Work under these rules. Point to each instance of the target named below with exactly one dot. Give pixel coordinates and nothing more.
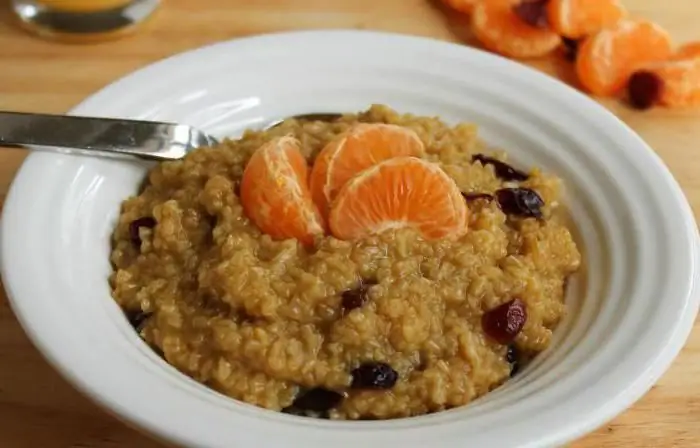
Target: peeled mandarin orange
(403, 192)
(500, 29)
(608, 58)
(578, 18)
(680, 77)
(275, 195)
(461, 5)
(356, 150)
(689, 50)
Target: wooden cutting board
(38, 409)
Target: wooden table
(38, 409)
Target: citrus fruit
(497, 26)
(578, 18)
(275, 195)
(461, 5)
(689, 50)
(679, 78)
(356, 150)
(607, 59)
(403, 192)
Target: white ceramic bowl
(631, 312)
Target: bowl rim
(92, 105)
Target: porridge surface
(263, 321)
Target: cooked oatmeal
(388, 326)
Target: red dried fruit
(135, 226)
(513, 358)
(476, 196)
(532, 12)
(374, 375)
(357, 297)
(523, 202)
(504, 322)
(570, 48)
(137, 319)
(315, 400)
(502, 169)
(644, 89)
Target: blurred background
(82, 20)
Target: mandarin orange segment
(608, 58)
(680, 76)
(496, 25)
(461, 5)
(403, 192)
(356, 150)
(689, 50)
(578, 18)
(275, 195)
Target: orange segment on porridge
(274, 192)
(399, 193)
(578, 18)
(497, 26)
(356, 150)
(607, 59)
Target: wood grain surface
(38, 409)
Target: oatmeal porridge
(377, 266)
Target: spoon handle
(85, 135)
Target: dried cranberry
(212, 220)
(476, 196)
(293, 410)
(570, 48)
(532, 12)
(504, 322)
(137, 319)
(357, 297)
(315, 400)
(523, 202)
(502, 169)
(513, 358)
(134, 227)
(644, 89)
(374, 375)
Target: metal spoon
(108, 136)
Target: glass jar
(83, 20)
